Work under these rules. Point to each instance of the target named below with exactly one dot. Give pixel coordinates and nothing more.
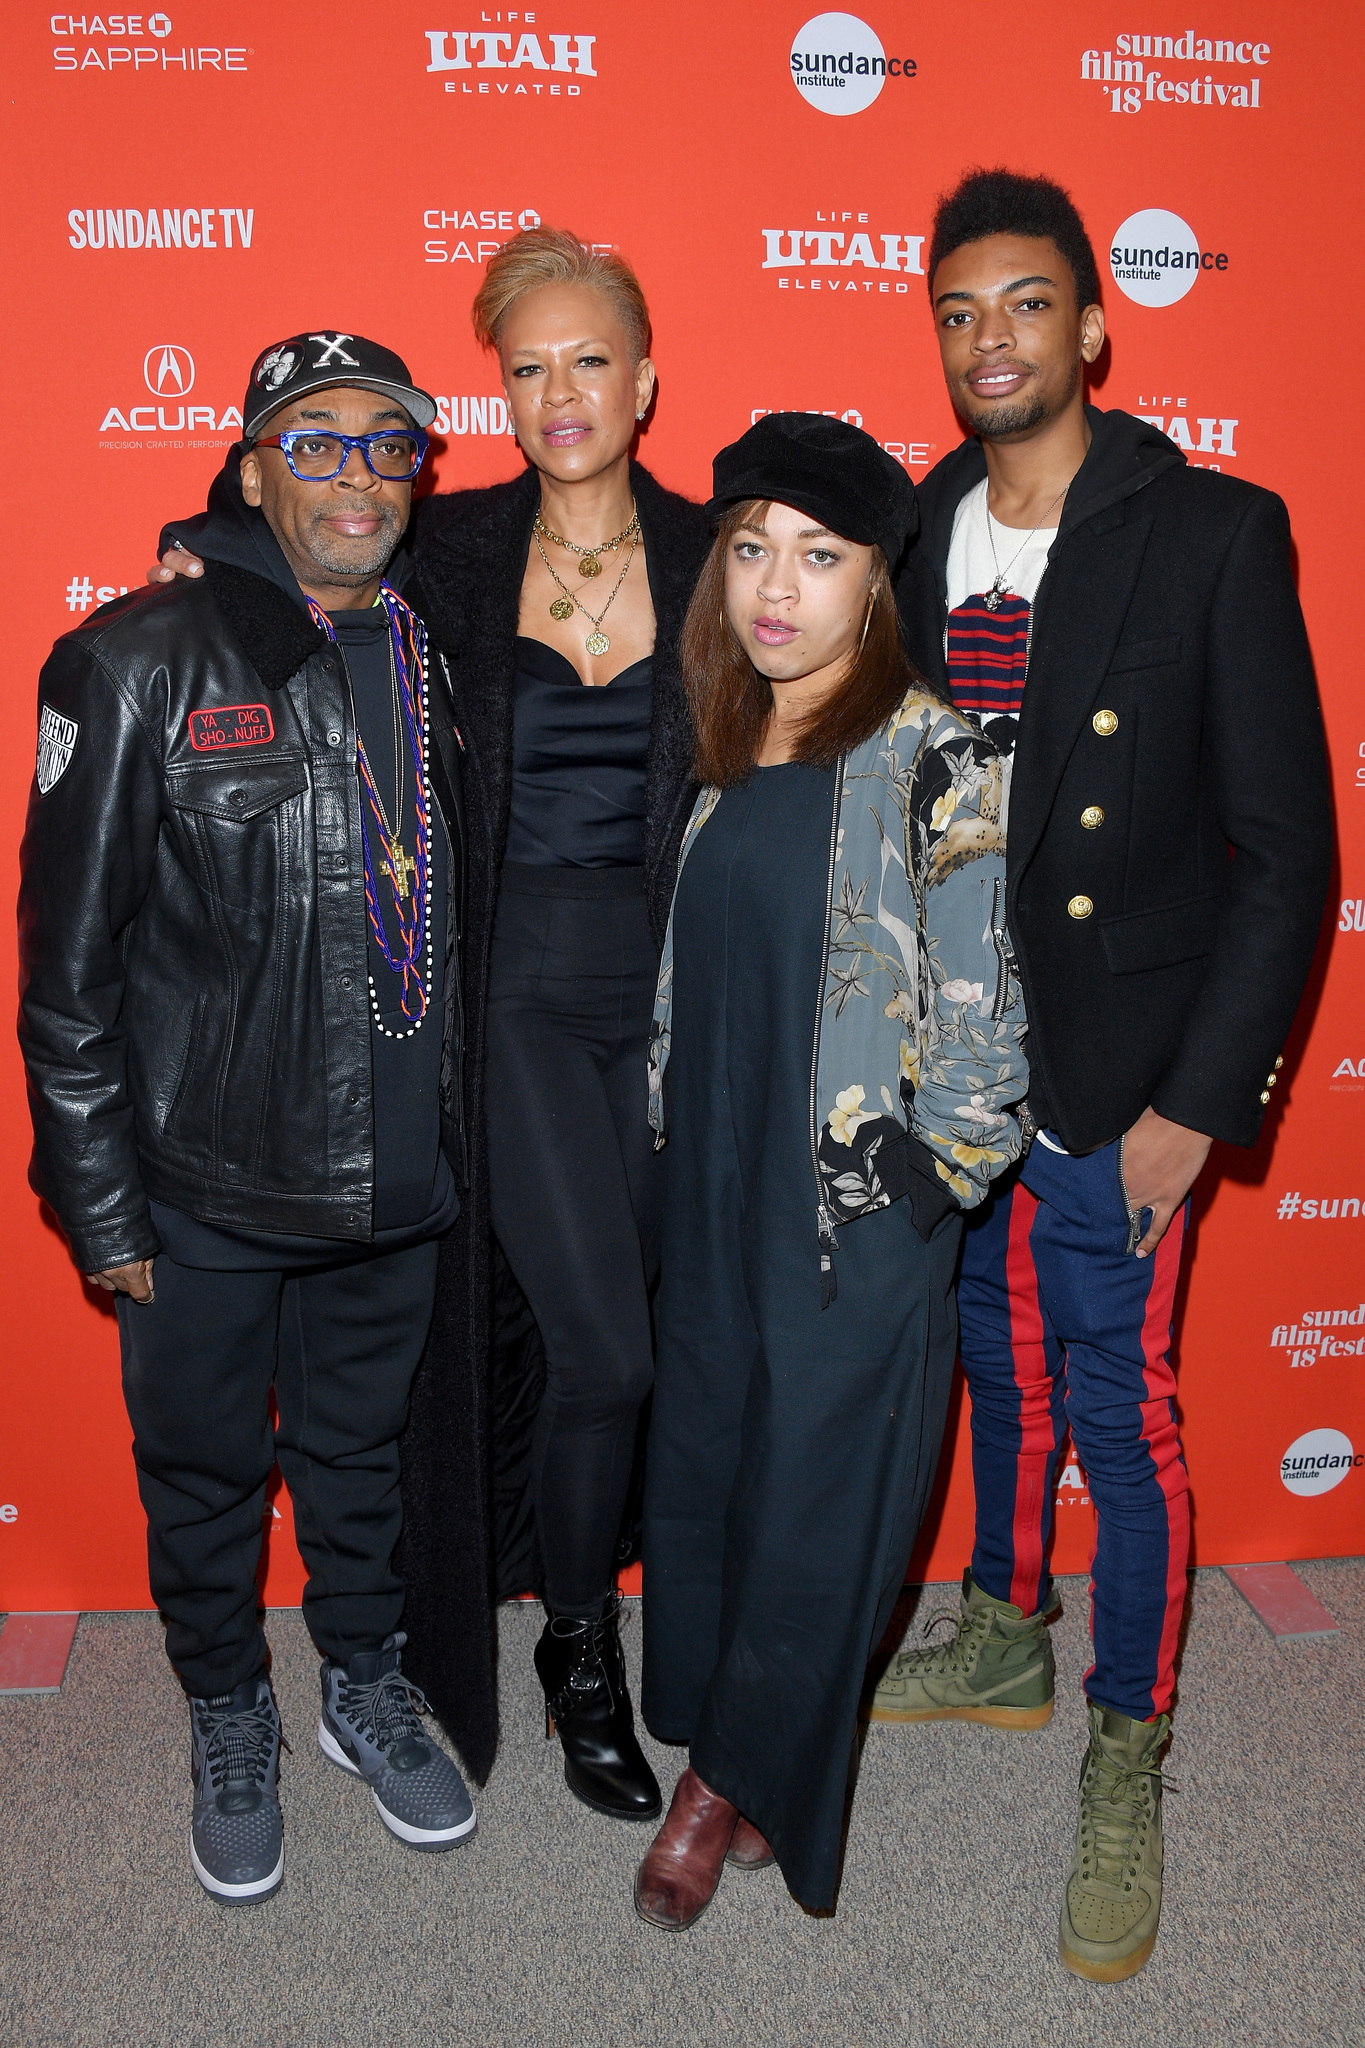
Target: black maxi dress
(792, 1450)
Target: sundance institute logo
(1318, 1461)
(839, 65)
(1155, 257)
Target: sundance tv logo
(1319, 1460)
(166, 227)
(1155, 258)
(838, 64)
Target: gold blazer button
(1265, 1095)
(1105, 722)
(1092, 816)
(1079, 906)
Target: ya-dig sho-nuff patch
(56, 744)
(239, 725)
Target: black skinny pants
(577, 1190)
(340, 1347)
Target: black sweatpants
(340, 1346)
(577, 1189)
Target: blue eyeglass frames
(315, 458)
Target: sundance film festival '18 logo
(1314, 1335)
(1130, 79)
(517, 50)
(1155, 257)
(838, 64)
(146, 45)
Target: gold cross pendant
(400, 871)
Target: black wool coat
(1162, 951)
(470, 549)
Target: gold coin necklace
(564, 607)
(589, 564)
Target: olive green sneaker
(997, 1669)
(1113, 1894)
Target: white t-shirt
(971, 564)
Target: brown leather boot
(677, 1880)
(748, 1849)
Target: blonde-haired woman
(565, 592)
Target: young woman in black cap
(838, 1028)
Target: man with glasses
(241, 881)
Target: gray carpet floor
(946, 1928)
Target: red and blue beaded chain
(408, 641)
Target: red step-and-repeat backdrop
(185, 186)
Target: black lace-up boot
(236, 1833)
(580, 1665)
(369, 1727)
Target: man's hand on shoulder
(175, 562)
(134, 1279)
(1161, 1162)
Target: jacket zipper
(829, 1285)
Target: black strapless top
(578, 763)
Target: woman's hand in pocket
(1161, 1162)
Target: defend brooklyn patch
(56, 744)
(240, 725)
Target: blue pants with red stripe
(1062, 1324)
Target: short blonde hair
(541, 256)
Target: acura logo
(168, 368)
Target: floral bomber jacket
(918, 1027)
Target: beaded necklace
(408, 651)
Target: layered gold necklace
(589, 565)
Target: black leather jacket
(193, 999)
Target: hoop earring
(866, 623)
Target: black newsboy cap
(833, 471)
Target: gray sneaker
(369, 1727)
(237, 1833)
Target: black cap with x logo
(317, 362)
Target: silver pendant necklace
(995, 595)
